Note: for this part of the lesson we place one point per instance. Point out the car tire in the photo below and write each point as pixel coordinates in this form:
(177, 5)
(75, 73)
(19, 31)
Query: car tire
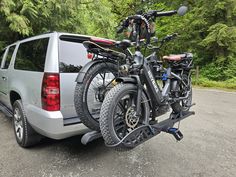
(24, 133)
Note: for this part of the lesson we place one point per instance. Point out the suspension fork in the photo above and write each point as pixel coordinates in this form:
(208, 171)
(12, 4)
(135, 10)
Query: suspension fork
(139, 95)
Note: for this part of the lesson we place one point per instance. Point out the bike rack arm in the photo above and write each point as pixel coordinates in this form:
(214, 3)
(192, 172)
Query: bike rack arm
(90, 136)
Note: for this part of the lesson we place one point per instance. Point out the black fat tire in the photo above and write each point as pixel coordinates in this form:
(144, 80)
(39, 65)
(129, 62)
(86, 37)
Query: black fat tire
(177, 107)
(106, 112)
(81, 90)
(30, 136)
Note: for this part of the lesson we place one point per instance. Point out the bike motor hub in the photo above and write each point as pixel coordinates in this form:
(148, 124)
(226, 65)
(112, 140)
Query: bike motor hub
(100, 93)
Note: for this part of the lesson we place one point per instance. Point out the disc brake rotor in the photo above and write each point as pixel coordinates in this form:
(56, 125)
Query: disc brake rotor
(130, 118)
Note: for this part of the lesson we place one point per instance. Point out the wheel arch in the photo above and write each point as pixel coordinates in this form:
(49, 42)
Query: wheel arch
(14, 95)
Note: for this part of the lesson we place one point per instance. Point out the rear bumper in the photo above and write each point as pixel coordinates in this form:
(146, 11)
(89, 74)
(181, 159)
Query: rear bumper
(50, 124)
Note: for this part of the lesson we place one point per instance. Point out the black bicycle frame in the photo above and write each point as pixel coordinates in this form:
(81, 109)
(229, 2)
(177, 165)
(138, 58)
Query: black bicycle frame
(158, 96)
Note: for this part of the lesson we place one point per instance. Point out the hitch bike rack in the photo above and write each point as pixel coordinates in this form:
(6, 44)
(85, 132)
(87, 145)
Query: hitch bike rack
(144, 132)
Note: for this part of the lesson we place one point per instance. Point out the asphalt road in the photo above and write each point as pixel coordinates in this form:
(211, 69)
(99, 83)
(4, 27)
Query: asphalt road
(207, 150)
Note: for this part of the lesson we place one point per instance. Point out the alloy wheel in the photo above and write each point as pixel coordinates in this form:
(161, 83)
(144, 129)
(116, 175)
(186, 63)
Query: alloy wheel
(18, 124)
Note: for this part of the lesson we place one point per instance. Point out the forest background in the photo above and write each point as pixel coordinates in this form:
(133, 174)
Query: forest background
(208, 30)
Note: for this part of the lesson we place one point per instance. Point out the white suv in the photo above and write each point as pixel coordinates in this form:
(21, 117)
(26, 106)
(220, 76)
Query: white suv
(37, 82)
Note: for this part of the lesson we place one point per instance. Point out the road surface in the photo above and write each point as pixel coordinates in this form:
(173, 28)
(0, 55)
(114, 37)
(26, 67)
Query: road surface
(207, 150)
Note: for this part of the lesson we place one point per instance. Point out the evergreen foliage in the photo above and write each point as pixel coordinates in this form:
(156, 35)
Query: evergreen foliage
(208, 30)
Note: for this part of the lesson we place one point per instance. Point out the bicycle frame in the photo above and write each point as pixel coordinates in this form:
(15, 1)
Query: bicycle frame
(158, 96)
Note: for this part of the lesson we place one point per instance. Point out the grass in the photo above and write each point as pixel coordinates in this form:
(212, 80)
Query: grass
(229, 85)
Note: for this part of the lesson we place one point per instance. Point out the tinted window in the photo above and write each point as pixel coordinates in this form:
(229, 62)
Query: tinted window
(31, 55)
(8, 57)
(72, 56)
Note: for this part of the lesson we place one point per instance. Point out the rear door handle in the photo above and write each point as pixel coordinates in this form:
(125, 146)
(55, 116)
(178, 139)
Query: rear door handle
(4, 78)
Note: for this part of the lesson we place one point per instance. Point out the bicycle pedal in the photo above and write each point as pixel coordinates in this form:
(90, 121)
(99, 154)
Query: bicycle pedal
(176, 133)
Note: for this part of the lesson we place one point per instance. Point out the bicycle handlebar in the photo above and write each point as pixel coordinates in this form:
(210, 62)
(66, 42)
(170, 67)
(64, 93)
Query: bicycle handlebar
(163, 41)
(145, 18)
(124, 25)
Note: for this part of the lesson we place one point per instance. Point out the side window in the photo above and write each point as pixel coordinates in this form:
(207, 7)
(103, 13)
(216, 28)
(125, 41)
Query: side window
(8, 57)
(31, 55)
(1, 56)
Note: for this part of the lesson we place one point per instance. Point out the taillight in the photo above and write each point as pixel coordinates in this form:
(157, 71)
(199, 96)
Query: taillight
(90, 56)
(50, 93)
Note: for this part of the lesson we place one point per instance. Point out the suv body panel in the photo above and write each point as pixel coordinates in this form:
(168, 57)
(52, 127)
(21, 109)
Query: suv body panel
(27, 84)
(5, 77)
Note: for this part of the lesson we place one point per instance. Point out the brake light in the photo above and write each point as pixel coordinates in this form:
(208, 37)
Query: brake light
(102, 41)
(50, 94)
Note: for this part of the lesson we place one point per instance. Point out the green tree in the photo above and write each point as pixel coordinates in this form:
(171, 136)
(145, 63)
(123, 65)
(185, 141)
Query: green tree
(208, 29)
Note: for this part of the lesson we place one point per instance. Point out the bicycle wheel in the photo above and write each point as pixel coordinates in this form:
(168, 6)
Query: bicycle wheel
(90, 94)
(183, 105)
(118, 113)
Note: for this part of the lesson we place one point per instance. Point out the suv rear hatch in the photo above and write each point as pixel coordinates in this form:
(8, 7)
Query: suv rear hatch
(72, 57)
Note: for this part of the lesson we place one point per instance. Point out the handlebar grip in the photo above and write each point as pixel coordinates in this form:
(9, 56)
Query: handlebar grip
(167, 13)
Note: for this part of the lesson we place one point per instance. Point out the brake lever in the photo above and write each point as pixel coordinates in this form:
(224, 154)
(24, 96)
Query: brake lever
(170, 37)
(123, 24)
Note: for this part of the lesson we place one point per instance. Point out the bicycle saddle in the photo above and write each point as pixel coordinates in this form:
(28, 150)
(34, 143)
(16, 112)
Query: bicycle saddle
(178, 57)
(124, 44)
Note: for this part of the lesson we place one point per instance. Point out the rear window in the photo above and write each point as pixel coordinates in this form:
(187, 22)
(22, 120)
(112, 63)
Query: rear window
(72, 56)
(31, 55)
